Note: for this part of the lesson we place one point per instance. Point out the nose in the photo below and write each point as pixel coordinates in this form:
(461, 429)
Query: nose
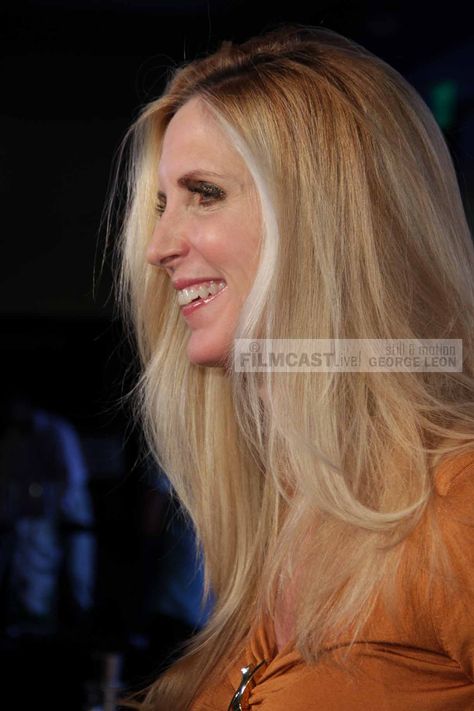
(167, 245)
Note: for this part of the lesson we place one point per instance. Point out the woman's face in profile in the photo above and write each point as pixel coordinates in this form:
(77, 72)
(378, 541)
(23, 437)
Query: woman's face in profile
(208, 229)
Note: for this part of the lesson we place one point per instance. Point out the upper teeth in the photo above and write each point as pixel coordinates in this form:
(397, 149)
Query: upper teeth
(185, 296)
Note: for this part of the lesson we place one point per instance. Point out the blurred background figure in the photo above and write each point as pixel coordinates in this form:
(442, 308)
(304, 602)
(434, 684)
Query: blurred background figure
(47, 521)
(79, 517)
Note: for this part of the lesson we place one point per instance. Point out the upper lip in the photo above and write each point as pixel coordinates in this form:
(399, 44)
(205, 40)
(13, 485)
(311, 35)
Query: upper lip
(184, 283)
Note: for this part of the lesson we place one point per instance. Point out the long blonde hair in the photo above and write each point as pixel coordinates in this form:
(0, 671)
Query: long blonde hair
(365, 237)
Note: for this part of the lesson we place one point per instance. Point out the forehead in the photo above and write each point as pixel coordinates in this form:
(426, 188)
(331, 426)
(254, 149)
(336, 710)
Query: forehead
(194, 140)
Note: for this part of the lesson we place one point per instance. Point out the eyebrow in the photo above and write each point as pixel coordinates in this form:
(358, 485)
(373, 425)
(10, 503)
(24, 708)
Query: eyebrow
(185, 180)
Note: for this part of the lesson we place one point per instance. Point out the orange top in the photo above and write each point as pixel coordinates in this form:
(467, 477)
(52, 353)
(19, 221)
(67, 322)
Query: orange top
(421, 659)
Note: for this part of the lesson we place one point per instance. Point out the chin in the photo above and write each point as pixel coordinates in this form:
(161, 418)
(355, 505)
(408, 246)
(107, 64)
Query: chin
(207, 355)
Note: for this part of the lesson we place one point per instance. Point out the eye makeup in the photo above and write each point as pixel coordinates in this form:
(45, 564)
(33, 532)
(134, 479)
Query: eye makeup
(208, 192)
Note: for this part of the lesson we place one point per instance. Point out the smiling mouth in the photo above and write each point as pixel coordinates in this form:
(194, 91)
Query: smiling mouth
(199, 290)
(199, 303)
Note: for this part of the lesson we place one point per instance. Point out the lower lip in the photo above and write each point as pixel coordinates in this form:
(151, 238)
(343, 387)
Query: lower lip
(196, 305)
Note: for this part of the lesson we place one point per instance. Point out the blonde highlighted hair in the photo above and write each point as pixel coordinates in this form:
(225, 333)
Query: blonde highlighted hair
(364, 236)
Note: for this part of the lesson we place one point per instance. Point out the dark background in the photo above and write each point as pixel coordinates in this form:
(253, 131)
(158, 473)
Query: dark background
(73, 77)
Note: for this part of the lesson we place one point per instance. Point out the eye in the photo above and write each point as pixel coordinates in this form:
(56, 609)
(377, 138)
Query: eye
(207, 192)
(160, 206)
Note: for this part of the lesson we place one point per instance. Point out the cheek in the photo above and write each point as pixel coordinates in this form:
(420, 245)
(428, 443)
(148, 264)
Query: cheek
(230, 245)
(219, 245)
(249, 252)
(241, 254)
(211, 242)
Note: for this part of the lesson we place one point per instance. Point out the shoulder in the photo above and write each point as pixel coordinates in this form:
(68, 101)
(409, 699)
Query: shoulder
(453, 592)
(453, 503)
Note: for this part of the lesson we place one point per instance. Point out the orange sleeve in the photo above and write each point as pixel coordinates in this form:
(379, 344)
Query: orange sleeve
(453, 597)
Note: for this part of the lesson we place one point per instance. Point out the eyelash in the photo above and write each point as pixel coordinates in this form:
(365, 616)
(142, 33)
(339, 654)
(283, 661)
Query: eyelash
(207, 191)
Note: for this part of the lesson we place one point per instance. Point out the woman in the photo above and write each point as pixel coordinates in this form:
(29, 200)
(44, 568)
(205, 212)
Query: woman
(305, 190)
